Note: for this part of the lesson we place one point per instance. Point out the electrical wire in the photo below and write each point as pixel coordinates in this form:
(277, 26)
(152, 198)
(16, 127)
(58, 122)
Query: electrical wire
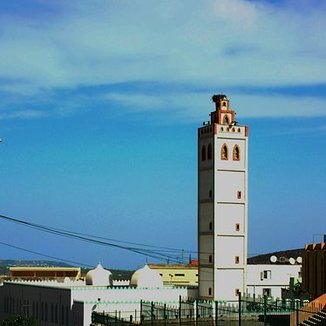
(161, 253)
(45, 255)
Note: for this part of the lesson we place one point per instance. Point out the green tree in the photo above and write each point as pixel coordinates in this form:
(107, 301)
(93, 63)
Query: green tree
(19, 321)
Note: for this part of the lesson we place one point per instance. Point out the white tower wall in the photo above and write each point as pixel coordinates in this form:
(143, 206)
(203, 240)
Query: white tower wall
(222, 204)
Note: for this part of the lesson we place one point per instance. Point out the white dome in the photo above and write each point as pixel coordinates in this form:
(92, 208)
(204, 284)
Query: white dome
(146, 278)
(98, 276)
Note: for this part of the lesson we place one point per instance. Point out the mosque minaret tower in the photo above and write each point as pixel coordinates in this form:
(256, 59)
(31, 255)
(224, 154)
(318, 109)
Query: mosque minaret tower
(222, 204)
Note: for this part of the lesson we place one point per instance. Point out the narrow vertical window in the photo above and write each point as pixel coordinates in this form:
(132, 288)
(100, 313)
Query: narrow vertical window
(56, 313)
(226, 120)
(224, 152)
(67, 315)
(236, 153)
(236, 259)
(62, 314)
(239, 194)
(210, 259)
(209, 152)
(210, 226)
(237, 227)
(237, 292)
(203, 153)
(210, 291)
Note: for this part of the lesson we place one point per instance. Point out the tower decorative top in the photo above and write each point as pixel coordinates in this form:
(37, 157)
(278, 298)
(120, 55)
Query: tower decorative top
(217, 98)
(221, 102)
(222, 114)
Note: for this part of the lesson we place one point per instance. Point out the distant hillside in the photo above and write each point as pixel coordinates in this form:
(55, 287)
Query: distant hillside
(265, 258)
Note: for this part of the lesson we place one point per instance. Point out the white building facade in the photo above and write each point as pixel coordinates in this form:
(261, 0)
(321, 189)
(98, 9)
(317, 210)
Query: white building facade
(222, 204)
(71, 303)
(270, 279)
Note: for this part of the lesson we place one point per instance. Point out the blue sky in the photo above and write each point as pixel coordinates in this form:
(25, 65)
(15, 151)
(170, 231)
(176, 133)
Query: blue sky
(100, 105)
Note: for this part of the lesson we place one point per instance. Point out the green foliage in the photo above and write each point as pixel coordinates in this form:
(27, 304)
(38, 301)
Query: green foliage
(19, 321)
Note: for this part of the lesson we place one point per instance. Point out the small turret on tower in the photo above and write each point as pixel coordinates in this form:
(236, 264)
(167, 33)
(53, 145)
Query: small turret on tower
(221, 102)
(223, 114)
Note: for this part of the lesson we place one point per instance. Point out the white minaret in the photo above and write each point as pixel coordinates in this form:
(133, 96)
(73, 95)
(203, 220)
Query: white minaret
(222, 204)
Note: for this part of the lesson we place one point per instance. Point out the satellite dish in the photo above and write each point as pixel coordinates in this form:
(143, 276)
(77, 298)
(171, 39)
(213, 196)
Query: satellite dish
(282, 259)
(299, 260)
(292, 261)
(273, 259)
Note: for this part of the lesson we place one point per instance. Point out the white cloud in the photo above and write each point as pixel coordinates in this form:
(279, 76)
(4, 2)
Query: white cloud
(23, 114)
(224, 42)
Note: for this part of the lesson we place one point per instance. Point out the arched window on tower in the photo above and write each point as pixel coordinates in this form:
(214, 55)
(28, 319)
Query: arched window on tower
(224, 152)
(209, 152)
(226, 120)
(203, 153)
(236, 153)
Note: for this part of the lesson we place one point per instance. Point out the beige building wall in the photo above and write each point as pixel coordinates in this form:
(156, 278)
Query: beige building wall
(177, 274)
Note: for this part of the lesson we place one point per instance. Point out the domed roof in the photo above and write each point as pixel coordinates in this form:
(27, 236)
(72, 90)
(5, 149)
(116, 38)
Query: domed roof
(146, 278)
(98, 276)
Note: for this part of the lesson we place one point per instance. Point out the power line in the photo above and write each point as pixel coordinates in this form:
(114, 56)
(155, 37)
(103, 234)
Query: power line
(44, 255)
(161, 254)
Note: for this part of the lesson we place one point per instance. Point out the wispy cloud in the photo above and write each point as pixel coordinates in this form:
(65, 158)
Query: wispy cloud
(209, 45)
(24, 114)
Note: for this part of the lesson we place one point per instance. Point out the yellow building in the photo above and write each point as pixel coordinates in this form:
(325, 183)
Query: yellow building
(177, 274)
(44, 273)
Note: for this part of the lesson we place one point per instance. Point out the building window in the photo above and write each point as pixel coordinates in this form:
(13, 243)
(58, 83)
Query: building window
(210, 193)
(209, 152)
(267, 292)
(180, 275)
(210, 259)
(209, 291)
(36, 310)
(237, 227)
(67, 315)
(226, 120)
(236, 153)
(56, 314)
(52, 313)
(46, 312)
(237, 292)
(266, 275)
(239, 194)
(210, 226)
(62, 314)
(236, 259)
(224, 152)
(203, 153)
